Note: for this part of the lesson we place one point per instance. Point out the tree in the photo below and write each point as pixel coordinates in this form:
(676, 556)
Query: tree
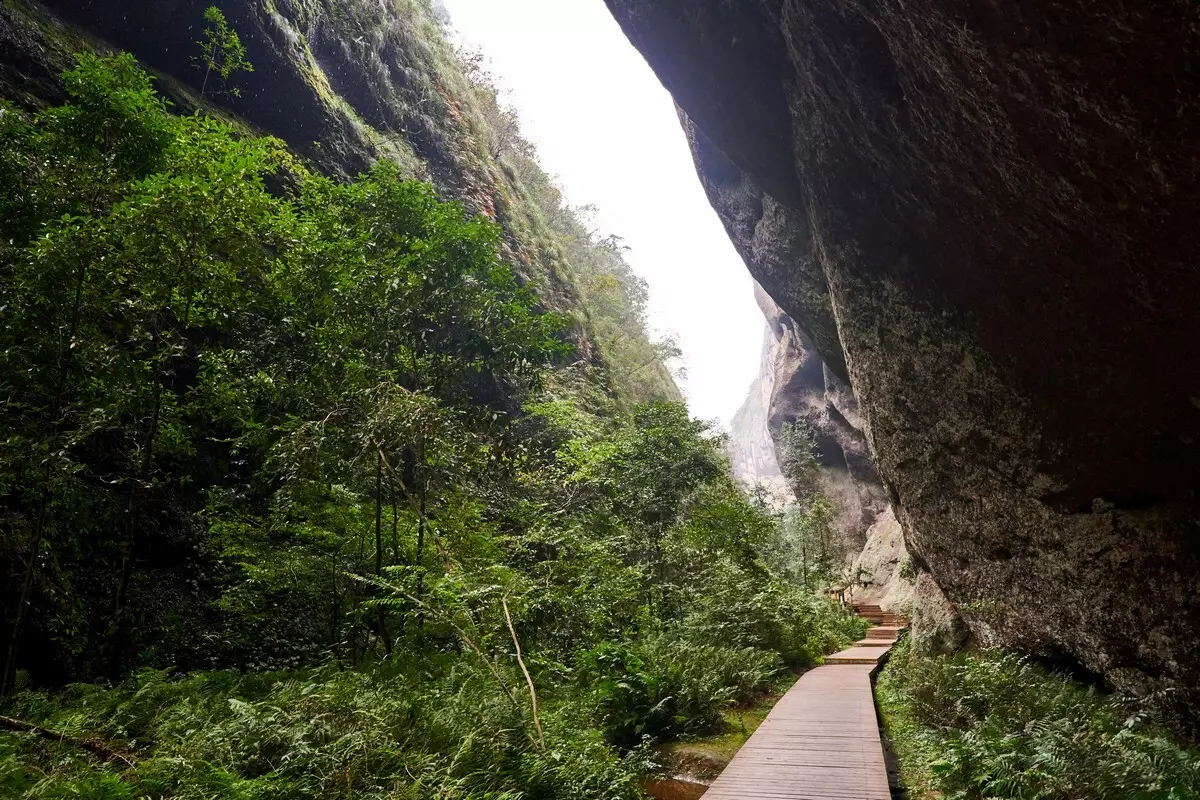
(262, 421)
(810, 553)
(71, 158)
(797, 448)
(222, 54)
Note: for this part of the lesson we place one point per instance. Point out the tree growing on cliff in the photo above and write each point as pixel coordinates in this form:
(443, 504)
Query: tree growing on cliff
(796, 446)
(222, 54)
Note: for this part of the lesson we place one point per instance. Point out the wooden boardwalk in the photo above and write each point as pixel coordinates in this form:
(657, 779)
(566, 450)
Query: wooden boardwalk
(821, 740)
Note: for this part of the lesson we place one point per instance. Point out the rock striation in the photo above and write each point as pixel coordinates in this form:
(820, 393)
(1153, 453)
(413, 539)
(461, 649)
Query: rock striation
(984, 221)
(751, 447)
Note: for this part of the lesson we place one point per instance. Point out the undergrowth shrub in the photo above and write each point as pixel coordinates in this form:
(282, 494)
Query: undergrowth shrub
(771, 615)
(424, 727)
(666, 687)
(994, 725)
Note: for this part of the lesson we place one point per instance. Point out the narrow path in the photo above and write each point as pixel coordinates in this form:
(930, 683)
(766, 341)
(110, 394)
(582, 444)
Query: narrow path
(821, 741)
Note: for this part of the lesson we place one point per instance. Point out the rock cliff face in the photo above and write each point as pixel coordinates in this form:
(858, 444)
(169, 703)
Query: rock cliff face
(751, 447)
(806, 392)
(883, 572)
(797, 388)
(984, 220)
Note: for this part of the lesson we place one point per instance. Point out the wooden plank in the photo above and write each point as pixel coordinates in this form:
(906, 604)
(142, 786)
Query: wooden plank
(858, 655)
(820, 742)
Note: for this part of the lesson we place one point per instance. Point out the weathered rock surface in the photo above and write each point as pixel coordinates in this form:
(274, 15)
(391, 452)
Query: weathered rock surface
(936, 624)
(751, 447)
(883, 572)
(805, 391)
(984, 219)
(795, 387)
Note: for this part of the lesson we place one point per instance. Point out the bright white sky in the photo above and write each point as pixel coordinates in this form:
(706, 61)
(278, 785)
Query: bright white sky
(607, 129)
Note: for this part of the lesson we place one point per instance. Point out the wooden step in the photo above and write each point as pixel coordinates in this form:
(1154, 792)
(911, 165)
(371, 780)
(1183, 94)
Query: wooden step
(858, 655)
(889, 623)
(884, 632)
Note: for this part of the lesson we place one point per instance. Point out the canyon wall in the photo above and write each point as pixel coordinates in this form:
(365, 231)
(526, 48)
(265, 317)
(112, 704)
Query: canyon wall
(751, 447)
(796, 388)
(983, 218)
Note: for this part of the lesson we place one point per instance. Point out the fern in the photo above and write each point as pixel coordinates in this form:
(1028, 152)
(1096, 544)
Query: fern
(993, 725)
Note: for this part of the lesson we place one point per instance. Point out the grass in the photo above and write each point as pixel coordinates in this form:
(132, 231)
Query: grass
(703, 758)
(989, 724)
(421, 727)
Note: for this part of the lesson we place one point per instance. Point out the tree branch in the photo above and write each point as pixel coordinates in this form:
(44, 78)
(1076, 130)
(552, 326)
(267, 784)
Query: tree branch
(98, 750)
(532, 692)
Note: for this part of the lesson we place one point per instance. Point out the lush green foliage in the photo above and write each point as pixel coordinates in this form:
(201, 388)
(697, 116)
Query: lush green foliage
(195, 362)
(299, 446)
(993, 725)
(427, 727)
(797, 458)
(438, 109)
(810, 552)
(222, 54)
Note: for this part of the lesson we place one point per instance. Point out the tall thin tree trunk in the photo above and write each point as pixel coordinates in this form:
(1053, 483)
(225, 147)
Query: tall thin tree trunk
(379, 514)
(804, 563)
(421, 509)
(381, 619)
(335, 609)
(117, 625)
(395, 522)
(8, 678)
(396, 537)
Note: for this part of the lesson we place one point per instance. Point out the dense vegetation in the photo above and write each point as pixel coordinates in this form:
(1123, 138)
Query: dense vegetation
(994, 725)
(438, 111)
(809, 550)
(297, 502)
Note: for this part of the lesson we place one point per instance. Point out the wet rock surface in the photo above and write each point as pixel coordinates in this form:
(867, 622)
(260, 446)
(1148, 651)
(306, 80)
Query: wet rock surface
(983, 219)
